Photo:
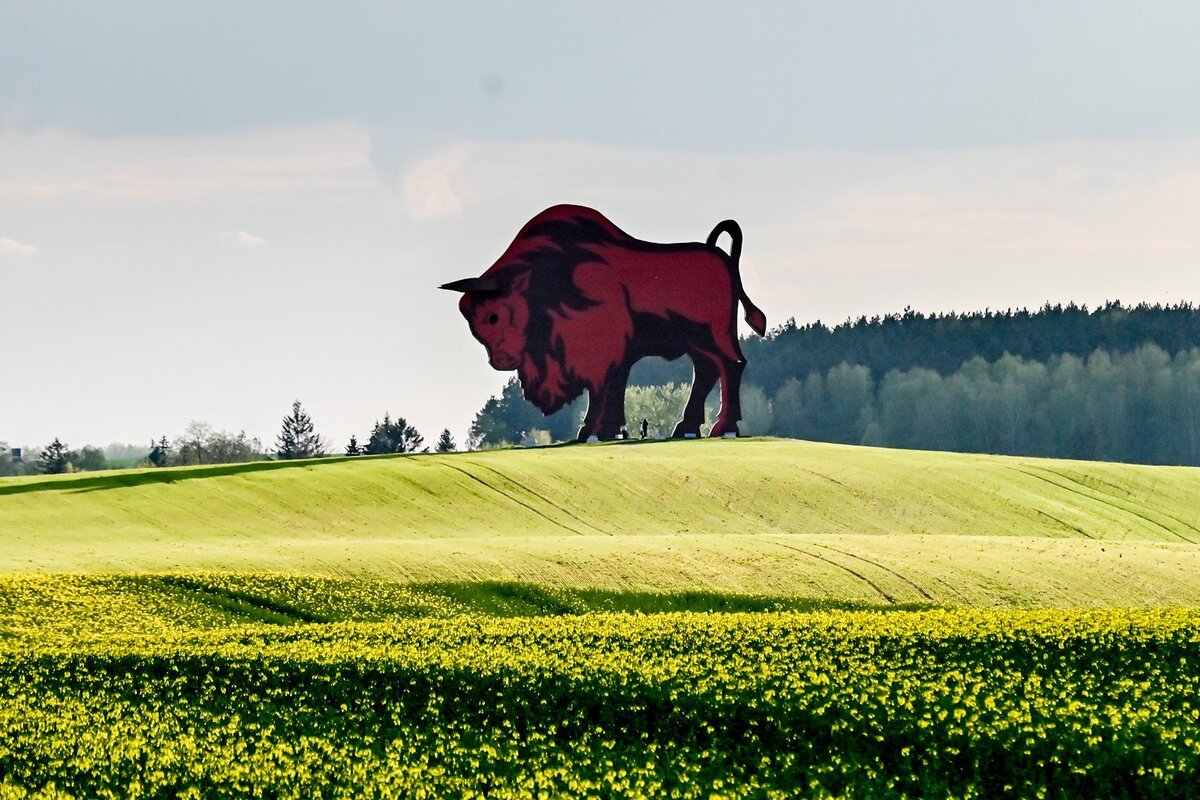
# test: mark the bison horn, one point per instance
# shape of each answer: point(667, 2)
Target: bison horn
point(481, 285)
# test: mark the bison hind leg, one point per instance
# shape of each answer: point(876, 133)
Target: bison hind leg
point(722, 428)
point(704, 377)
point(731, 399)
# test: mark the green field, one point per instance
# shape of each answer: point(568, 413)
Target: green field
point(763, 517)
point(509, 623)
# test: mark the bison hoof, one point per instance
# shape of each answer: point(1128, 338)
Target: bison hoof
point(682, 430)
point(719, 430)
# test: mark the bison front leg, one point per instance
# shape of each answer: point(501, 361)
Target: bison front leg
point(704, 377)
point(593, 419)
point(606, 406)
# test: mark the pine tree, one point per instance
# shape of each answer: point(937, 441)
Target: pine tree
point(353, 449)
point(159, 453)
point(296, 438)
point(378, 443)
point(445, 442)
point(55, 458)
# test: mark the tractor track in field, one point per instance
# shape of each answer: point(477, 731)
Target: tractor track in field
point(886, 569)
point(853, 572)
point(1078, 482)
point(516, 500)
point(541, 497)
point(1066, 525)
point(1102, 500)
point(823, 476)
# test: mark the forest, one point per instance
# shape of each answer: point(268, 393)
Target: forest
point(1111, 384)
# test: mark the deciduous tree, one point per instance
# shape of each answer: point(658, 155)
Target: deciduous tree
point(394, 436)
point(91, 459)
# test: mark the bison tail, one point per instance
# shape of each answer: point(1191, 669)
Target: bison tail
point(754, 315)
point(735, 237)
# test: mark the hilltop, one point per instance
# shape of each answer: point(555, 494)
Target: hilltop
point(753, 516)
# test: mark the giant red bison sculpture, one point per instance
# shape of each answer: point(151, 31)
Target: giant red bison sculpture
point(575, 302)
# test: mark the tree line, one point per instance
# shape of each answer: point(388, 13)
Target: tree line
point(1111, 383)
point(944, 342)
point(55, 457)
point(1141, 406)
point(201, 444)
point(1021, 387)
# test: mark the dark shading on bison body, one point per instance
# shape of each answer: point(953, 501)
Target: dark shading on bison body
point(575, 302)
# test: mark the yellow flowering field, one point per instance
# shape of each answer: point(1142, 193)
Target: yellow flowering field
point(939, 703)
point(610, 621)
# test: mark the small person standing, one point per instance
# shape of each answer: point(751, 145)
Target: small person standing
point(624, 434)
point(645, 427)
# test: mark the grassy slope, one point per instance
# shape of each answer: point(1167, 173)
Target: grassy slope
point(785, 518)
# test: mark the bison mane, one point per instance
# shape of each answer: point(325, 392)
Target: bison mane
point(552, 289)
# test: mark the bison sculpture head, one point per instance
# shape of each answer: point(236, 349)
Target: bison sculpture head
point(498, 317)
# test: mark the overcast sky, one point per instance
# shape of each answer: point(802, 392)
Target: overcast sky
point(210, 209)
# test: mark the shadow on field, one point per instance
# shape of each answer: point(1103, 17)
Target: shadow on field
point(500, 598)
point(124, 480)
point(298, 600)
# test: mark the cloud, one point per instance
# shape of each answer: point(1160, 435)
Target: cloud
point(428, 186)
point(829, 233)
point(13, 247)
point(832, 234)
point(241, 238)
point(51, 163)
